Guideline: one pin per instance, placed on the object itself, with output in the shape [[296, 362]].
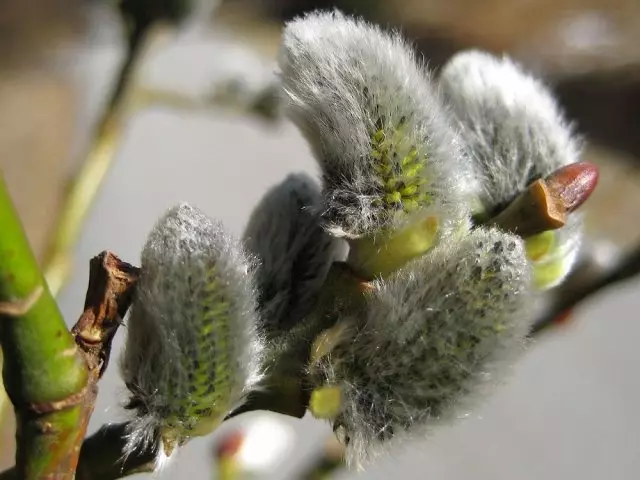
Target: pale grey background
[[571, 408]]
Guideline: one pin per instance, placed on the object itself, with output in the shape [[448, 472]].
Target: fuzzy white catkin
[[513, 132], [375, 123], [192, 350], [511, 125], [432, 339], [294, 252]]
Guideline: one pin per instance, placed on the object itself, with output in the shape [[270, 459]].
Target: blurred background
[[199, 122]]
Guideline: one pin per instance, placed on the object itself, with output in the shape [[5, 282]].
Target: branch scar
[[21, 307]]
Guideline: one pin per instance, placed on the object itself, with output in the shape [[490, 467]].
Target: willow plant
[[456, 196]]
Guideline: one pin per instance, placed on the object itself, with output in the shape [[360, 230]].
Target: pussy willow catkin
[[192, 349], [375, 123], [429, 341], [294, 252], [513, 132]]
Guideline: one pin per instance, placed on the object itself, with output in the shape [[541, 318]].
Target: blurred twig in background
[[86, 184], [328, 463], [263, 103], [125, 100], [36, 108], [592, 275]]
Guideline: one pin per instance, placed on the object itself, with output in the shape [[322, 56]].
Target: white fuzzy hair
[[433, 339], [294, 252], [192, 350], [375, 123], [510, 123], [514, 132]]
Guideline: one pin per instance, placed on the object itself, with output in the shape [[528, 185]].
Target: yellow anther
[[326, 402]]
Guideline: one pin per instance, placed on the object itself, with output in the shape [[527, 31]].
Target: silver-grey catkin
[[513, 132], [512, 127], [375, 123], [432, 339], [294, 252], [192, 350]]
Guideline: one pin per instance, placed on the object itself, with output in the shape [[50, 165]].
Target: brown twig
[[101, 457], [109, 294]]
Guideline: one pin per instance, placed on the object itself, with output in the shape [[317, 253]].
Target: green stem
[[102, 457], [43, 371]]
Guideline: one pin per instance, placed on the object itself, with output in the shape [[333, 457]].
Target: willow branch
[[101, 456], [44, 373], [109, 294]]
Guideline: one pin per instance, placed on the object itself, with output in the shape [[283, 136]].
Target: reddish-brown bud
[[573, 184]]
